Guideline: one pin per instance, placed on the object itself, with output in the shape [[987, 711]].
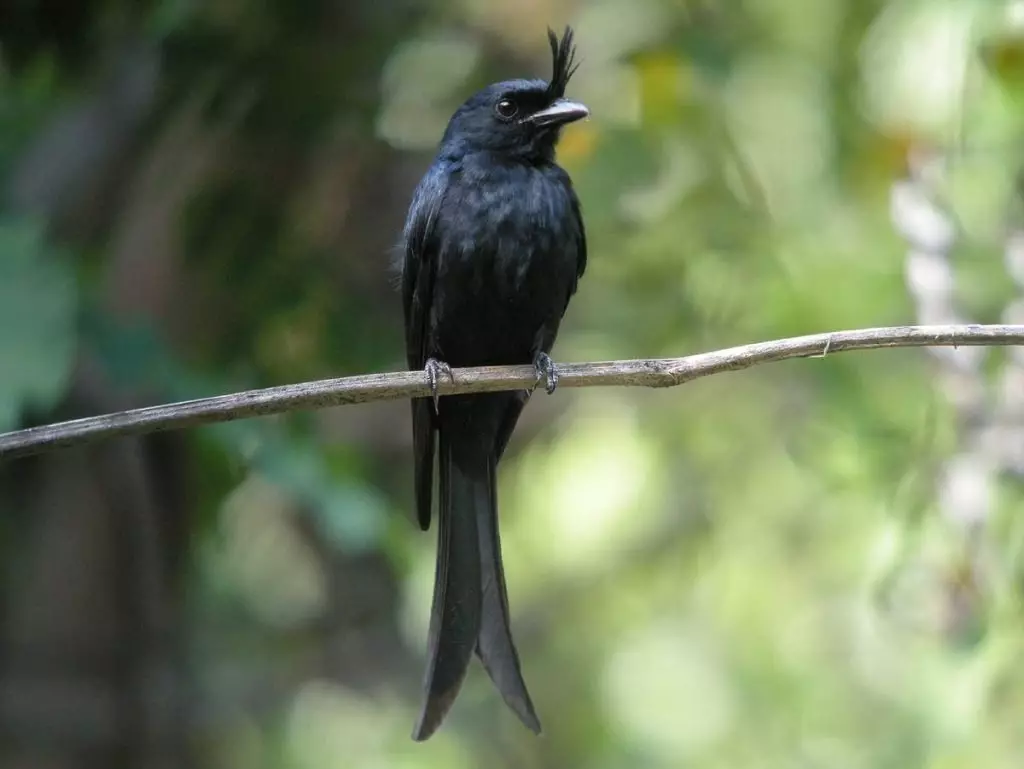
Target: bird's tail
[[495, 648], [470, 605], [456, 609]]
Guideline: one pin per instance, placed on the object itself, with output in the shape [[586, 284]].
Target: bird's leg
[[546, 370], [434, 368]]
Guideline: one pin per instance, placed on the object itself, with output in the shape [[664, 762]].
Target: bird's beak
[[560, 112]]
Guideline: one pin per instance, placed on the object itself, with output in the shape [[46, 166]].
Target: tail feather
[[470, 606], [495, 647], [423, 441], [456, 610]]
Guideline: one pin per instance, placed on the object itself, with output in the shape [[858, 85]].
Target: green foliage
[[24, 101], [37, 321], [348, 512]]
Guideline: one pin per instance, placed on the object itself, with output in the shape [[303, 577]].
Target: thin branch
[[666, 372]]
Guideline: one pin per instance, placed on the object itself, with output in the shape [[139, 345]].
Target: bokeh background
[[812, 564]]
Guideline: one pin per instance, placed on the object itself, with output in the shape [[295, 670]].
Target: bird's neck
[[541, 157], [539, 152]]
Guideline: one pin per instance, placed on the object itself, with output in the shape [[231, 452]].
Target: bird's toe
[[434, 369], [546, 371]]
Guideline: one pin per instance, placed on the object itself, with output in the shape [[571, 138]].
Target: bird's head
[[520, 119]]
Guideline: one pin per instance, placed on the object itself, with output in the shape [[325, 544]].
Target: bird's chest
[[506, 261], [513, 239]]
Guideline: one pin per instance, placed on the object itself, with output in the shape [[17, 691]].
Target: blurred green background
[[812, 564]]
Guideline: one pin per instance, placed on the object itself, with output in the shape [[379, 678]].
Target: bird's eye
[[506, 109]]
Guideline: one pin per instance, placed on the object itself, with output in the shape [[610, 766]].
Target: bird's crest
[[563, 55]]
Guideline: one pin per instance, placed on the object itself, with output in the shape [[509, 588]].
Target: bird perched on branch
[[494, 247]]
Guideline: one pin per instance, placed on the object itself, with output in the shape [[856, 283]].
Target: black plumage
[[494, 247]]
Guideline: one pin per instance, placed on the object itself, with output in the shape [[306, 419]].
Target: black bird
[[494, 247]]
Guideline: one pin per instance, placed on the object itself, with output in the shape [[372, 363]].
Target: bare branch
[[666, 372]]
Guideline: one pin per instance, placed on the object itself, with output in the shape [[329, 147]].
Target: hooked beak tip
[[561, 112]]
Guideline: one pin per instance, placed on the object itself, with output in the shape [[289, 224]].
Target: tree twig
[[665, 372]]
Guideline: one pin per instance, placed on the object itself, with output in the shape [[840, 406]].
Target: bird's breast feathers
[[517, 212]]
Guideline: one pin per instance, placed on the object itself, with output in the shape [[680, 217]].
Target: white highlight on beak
[[562, 111]]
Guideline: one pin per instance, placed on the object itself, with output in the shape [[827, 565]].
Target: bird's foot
[[434, 369], [546, 370]]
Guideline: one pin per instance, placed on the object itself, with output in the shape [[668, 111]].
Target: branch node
[[828, 347]]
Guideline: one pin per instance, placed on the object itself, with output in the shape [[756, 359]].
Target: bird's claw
[[546, 370], [434, 369]]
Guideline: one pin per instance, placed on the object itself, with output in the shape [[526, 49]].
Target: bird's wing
[[418, 272], [420, 265], [581, 243], [517, 400]]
